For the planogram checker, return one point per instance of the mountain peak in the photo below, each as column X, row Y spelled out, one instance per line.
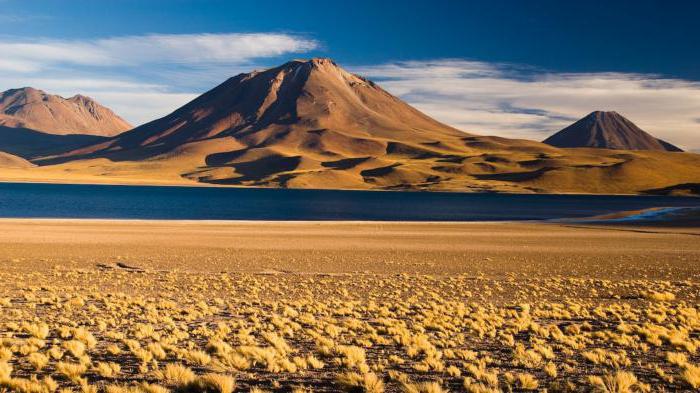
column 80, row 97
column 28, row 107
column 25, row 89
column 607, row 130
column 314, row 61
column 305, row 67
column 602, row 113
column 307, row 108
column 22, row 92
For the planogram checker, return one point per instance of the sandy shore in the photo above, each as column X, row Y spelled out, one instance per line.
column 345, row 247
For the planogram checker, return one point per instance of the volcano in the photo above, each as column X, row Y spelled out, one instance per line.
column 301, row 104
column 607, row 130
column 305, row 115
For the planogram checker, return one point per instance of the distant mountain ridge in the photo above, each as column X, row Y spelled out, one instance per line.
column 608, row 130
column 37, row 110
column 312, row 124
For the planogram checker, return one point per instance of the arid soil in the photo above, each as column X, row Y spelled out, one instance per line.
column 340, row 247
column 133, row 306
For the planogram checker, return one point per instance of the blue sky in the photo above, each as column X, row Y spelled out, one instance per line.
column 512, row 68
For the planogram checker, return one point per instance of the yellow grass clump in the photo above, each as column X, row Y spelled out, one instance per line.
column 360, row 332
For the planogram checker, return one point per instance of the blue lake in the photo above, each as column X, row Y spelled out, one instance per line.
column 204, row 203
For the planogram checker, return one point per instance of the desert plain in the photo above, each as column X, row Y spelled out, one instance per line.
column 157, row 306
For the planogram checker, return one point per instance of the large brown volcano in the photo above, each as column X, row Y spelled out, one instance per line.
column 607, row 130
column 34, row 109
column 311, row 124
column 309, row 105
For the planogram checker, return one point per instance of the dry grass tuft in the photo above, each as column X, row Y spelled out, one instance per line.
column 356, row 383
column 620, row 382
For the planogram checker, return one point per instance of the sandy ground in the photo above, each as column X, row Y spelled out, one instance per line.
column 340, row 306
column 345, row 247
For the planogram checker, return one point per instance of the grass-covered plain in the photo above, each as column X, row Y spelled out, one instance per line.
column 117, row 325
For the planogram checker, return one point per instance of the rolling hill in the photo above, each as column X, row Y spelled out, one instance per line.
column 11, row 161
column 312, row 124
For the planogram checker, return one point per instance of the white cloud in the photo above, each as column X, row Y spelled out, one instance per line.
column 136, row 102
column 143, row 106
column 71, row 85
column 18, row 65
column 147, row 49
column 140, row 77
column 519, row 102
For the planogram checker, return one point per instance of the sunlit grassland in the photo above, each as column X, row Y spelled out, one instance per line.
column 117, row 330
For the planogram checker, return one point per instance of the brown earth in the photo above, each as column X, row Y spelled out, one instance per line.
column 581, row 250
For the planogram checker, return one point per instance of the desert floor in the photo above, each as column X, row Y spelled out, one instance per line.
column 152, row 306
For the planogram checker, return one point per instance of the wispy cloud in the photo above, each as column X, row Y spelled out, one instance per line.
column 145, row 105
column 140, row 77
column 522, row 102
column 148, row 49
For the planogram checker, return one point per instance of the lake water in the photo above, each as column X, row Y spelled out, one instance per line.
column 204, row 203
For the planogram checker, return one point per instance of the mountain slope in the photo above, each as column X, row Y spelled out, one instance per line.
column 607, row 130
column 34, row 109
column 11, row 161
column 311, row 124
column 32, row 144
column 295, row 104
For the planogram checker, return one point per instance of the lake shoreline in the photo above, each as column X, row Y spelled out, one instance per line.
column 196, row 185
column 40, row 200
